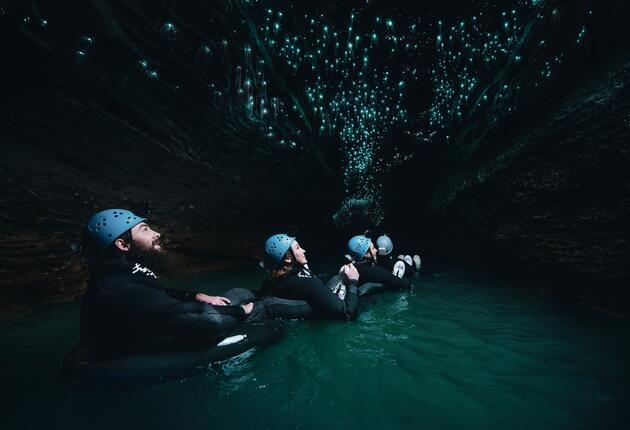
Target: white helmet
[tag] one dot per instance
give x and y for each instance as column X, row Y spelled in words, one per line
column 384, row 245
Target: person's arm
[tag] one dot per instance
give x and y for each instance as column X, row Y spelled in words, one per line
column 323, row 301
column 151, row 310
column 191, row 296
column 212, row 324
column 181, row 295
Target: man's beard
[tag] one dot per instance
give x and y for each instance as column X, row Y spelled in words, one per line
column 157, row 260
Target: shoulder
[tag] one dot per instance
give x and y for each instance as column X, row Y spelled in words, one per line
column 115, row 277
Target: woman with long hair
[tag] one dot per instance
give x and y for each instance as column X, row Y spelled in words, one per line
column 291, row 278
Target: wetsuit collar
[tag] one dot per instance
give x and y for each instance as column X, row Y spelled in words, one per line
column 304, row 271
column 120, row 265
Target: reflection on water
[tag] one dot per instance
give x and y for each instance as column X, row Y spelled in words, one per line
column 458, row 351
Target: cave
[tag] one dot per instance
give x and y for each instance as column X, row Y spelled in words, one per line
column 223, row 121
column 492, row 136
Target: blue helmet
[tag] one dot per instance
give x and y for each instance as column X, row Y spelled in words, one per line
column 358, row 246
column 105, row 227
column 384, row 245
column 275, row 249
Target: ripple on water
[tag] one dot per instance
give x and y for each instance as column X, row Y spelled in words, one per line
column 457, row 351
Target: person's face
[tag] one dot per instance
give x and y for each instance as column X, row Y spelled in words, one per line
column 145, row 248
column 145, row 238
column 299, row 253
column 372, row 252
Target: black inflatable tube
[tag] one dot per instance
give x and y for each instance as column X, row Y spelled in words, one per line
column 168, row 363
column 364, row 290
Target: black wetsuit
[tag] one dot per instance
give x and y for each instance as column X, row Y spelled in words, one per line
column 369, row 272
column 300, row 284
column 388, row 262
column 125, row 309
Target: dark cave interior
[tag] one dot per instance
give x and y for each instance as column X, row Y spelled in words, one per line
column 487, row 133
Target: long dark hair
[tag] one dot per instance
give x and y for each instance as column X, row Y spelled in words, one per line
column 286, row 266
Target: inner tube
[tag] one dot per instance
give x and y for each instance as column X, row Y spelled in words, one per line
column 169, row 362
column 335, row 283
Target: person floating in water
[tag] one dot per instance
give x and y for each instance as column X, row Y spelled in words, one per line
column 125, row 307
column 373, row 278
column 291, row 278
column 403, row 265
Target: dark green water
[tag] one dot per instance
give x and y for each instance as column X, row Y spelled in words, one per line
column 459, row 351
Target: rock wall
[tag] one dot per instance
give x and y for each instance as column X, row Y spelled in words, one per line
column 537, row 182
column 80, row 135
column 555, row 198
column 105, row 105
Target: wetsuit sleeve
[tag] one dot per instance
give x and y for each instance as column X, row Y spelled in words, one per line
column 151, row 310
column 323, row 301
column 213, row 323
column 182, row 295
column 386, row 262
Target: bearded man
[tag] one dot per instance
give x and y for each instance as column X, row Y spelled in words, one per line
column 125, row 308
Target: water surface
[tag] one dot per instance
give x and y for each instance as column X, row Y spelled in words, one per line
column 461, row 350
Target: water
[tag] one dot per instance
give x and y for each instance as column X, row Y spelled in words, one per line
column 459, row 351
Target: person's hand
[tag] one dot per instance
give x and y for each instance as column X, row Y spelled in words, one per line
column 212, row 300
column 351, row 272
column 248, row 308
